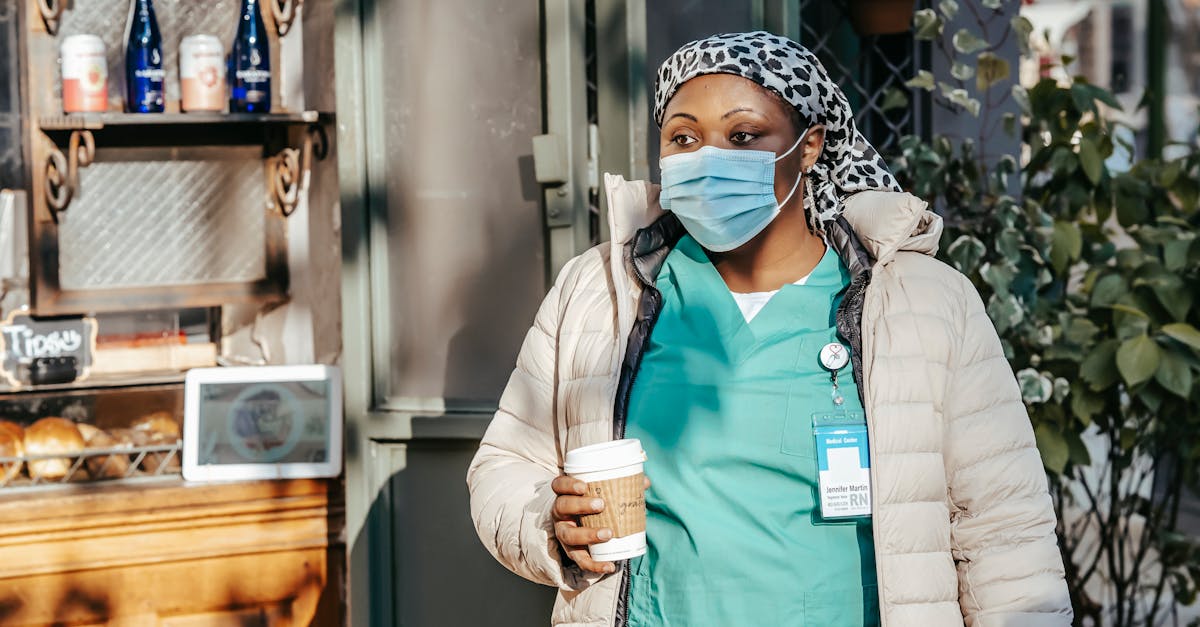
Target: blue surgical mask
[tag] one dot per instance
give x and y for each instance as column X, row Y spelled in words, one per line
column 723, row 197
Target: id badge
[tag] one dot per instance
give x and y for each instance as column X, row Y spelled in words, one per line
column 843, row 464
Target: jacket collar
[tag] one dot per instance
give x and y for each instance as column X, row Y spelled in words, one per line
column 874, row 226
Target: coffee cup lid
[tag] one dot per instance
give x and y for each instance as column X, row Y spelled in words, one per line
column 604, row 456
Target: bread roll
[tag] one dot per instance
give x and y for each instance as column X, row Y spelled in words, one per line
column 87, row 431
column 168, row 461
column 160, row 422
column 50, row 436
column 12, row 444
column 104, row 466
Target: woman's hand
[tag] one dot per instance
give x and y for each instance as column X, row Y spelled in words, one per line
column 573, row 502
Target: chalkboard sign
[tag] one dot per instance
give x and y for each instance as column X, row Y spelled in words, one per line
column 24, row 339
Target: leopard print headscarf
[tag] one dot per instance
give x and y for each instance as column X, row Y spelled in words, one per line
column 848, row 163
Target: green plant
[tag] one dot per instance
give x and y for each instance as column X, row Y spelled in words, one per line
column 1090, row 280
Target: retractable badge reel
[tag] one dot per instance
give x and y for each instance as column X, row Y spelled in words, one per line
column 843, row 462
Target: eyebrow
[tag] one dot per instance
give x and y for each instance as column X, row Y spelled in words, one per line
column 737, row 110
column 683, row 115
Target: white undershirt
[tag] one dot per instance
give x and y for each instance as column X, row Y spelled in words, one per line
column 752, row 302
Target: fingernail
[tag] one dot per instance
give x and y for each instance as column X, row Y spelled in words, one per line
column 597, row 504
column 610, row 568
column 604, row 534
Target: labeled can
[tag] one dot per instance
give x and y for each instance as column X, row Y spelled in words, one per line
column 84, row 74
column 202, row 73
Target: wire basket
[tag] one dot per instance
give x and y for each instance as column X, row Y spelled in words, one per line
column 98, row 464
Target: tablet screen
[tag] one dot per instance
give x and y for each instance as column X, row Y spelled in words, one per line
column 264, row 422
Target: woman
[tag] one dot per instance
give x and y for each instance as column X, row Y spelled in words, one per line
column 712, row 332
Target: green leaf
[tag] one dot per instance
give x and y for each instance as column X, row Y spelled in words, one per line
column 1063, row 161
column 1062, row 388
column 893, row 99
column 967, row 42
column 949, row 8
column 923, row 80
column 1053, row 447
column 1138, row 359
column 1035, row 387
column 1103, row 95
column 1089, row 158
column 1084, row 100
column 1131, row 322
column 1008, row 244
column 1107, row 290
column 965, row 253
column 1080, row 331
column 992, row 70
column 961, row 71
column 1005, row 311
column 1175, row 254
column 1132, row 200
column 1170, row 173
column 1183, row 332
column 1174, row 374
column 998, row 275
column 1023, row 28
column 927, row 25
column 1067, row 245
column 1099, row 367
column 1084, row 402
column 1078, row 450
column 1021, row 96
column 1128, row 309
column 1173, row 295
column 960, row 97
column 1128, row 439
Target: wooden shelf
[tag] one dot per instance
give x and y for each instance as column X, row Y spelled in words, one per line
column 98, row 121
column 103, row 383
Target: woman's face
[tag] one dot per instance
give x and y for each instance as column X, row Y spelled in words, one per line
column 728, row 111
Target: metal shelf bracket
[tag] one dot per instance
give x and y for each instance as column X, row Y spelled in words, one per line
column 62, row 171
column 291, row 168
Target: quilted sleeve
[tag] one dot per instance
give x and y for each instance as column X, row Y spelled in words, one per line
column 1010, row 571
column 509, row 478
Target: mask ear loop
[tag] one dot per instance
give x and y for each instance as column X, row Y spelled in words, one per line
column 798, row 141
column 800, row 177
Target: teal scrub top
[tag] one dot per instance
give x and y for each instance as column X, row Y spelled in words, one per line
column 724, row 410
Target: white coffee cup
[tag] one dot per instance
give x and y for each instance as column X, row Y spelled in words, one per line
column 613, row 472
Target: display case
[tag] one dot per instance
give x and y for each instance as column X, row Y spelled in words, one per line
column 61, row 436
column 134, row 247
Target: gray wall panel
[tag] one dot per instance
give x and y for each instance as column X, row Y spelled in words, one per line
column 443, row 575
column 459, row 88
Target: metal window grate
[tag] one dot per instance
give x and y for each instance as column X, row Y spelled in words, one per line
column 867, row 68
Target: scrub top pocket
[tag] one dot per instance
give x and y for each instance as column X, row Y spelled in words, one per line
column 797, row 437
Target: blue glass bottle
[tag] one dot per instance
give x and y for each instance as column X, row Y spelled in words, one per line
column 250, row 63
column 143, row 61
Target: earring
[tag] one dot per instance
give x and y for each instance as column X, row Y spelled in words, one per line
column 810, row 203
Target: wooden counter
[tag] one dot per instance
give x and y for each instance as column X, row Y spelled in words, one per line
column 172, row 553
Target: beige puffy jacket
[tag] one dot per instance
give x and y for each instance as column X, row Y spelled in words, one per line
column 963, row 523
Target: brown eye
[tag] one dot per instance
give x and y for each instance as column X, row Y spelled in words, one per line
column 683, row 140
column 742, row 138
